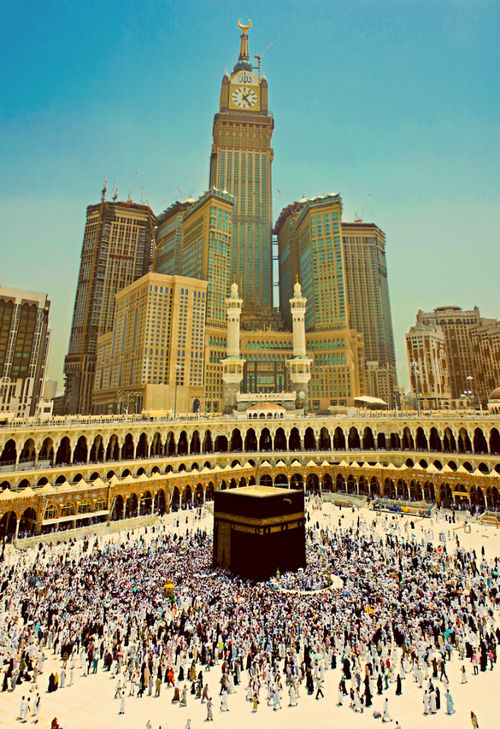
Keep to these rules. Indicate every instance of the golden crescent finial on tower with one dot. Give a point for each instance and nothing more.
(244, 28)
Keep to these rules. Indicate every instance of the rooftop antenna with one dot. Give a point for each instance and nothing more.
(359, 218)
(180, 191)
(260, 56)
(115, 194)
(132, 188)
(104, 190)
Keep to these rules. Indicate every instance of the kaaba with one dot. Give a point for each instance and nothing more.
(259, 530)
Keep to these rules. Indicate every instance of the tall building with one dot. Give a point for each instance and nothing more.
(369, 304)
(428, 365)
(117, 250)
(486, 352)
(240, 163)
(457, 326)
(206, 249)
(24, 343)
(152, 359)
(167, 251)
(310, 240)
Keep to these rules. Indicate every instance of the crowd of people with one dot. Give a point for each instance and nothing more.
(405, 609)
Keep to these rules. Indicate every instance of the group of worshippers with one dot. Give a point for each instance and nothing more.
(405, 610)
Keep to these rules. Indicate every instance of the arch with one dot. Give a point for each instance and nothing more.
(60, 479)
(170, 446)
(294, 440)
(492, 499)
(339, 439)
(142, 471)
(118, 508)
(435, 441)
(340, 484)
(156, 449)
(449, 443)
(175, 500)
(182, 444)
(50, 512)
(8, 524)
(126, 472)
(381, 444)
(128, 448)
(296, 481)
(198, 495)
(464, 444)
(394, 442)
(142, 449)
(483, 468)
(368, 439)
(220, 444)
(445, 496)
(351, 484)
(438, 464)
(196, 405)
(407, 443)
(362, 486)
(208, 446)
(266, 480)
(68, 509)
(312, 483)
(113, 449)
(477, 499)
(309, 440)
(325, 442)
(353, 439)
(232, 483)
(187, 497)
(78, 477)
(80, 453)
(281, 480)
(280, 440)
(63, 455)
(9, 453)
(42, 481)
(409, 463)
(160, 504)
(97, 450)
(46, 452)
(480, 445)
(24, 484)
(209, 492)
(265, 440)
(27, 454)
(195, 445)
(389, 489)
(494, 442)
(131, 506)
(421, 440)
(374, 487)
(236, 441)
(327, 482)
(146, 504)
(250, 440)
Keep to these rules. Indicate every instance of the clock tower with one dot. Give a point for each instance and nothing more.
(241, 164)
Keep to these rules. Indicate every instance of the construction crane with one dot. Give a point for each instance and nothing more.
(260, 56)
(359, 218)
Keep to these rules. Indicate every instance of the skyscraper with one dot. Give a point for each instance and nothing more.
(117, 250)
(368, 303)
(240, 163)
(457, 326)
(428, 364)
(24, 341)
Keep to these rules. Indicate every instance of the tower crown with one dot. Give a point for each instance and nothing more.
(244, 57)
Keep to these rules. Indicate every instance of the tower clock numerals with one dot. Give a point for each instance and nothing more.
(244, 97)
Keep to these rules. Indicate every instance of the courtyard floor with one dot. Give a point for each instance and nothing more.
(89, 703)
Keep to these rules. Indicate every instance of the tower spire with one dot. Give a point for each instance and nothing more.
(244, 57)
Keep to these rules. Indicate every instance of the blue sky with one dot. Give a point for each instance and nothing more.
(396, 98)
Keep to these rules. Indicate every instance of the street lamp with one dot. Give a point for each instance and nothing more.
(414, 367)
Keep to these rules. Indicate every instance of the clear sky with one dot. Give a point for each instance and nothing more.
(396, 98)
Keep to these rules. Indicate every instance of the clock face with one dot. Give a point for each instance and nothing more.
(244, 97)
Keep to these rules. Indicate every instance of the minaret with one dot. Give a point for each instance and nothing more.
(232, 366)
(299, 367)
